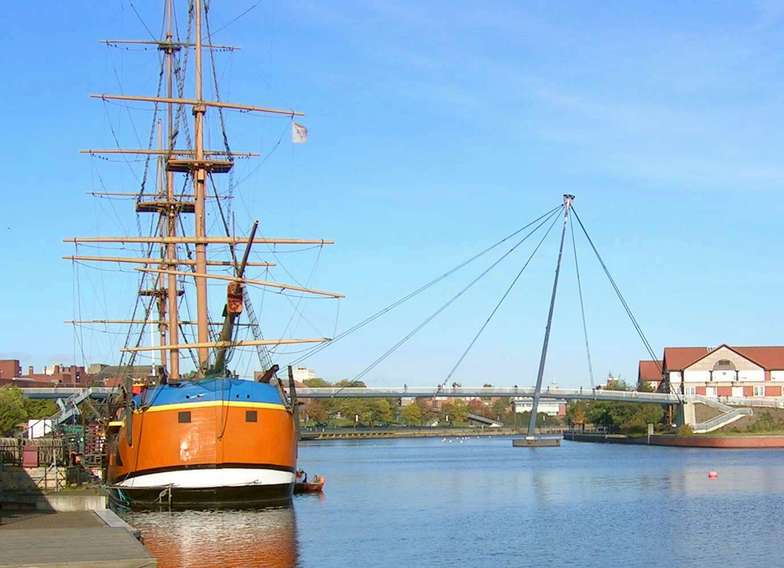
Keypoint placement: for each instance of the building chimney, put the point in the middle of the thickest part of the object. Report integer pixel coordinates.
(30, 370)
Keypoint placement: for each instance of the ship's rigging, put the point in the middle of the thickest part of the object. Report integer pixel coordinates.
(170, 253)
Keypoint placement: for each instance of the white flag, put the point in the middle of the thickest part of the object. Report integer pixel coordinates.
(299, 134)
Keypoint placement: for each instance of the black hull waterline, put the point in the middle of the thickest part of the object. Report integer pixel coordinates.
(239, 497)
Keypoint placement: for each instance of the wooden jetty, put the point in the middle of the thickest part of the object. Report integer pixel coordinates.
(78, 539)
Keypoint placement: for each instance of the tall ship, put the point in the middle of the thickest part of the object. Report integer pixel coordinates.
(193, 433)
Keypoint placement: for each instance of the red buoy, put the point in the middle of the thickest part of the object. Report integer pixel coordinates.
(713, 475)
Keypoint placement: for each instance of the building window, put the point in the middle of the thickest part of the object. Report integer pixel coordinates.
(691, 391)
(184, 417)
(759, 391)
(251, 416)
(724, 365)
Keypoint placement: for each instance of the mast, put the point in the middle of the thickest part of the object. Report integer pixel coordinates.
(161, 299)
(171, 213)
(567, 200)
(199, 179)
(168, 204)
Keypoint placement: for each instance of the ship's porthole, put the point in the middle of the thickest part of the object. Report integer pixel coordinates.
(184, 417)
(251, 416)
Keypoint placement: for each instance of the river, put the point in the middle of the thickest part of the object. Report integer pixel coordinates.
(480, 502)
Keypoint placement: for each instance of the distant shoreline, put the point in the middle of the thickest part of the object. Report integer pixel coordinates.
(733, 441)
(320, 436)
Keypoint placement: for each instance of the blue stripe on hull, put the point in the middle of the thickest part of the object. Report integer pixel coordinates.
(209, 390)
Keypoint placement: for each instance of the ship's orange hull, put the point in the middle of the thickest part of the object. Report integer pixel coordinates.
(213, 451)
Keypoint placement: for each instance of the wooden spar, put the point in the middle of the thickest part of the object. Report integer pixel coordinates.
(199, 190)
(137, 195)
(196, 102)
(230, 315)
(244, 343)
(170, 251)
(168, 44)
(162, 301)
(164, 152)
(268, 283)
(199, 240)
(182, 261)
(138, 322)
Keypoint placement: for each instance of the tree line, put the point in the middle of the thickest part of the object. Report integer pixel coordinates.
(622, 417)
(15, 409)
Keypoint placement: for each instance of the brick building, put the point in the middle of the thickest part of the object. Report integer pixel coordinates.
(10, 368)
(55, 375)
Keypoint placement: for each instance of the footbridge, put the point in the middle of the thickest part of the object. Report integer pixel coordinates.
(559, 393)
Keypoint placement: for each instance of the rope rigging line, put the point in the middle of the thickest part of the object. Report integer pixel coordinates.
(582, 305)
(230, 22)
(144, 24)
(618, 293)
(221, 118)
(498, 304)
(449, 302)
(296, 311)
(410, 295)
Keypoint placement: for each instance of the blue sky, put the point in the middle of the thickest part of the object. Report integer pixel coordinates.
(435, 129)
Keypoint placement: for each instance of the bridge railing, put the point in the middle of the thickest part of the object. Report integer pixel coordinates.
(469, 392)
(560, 393)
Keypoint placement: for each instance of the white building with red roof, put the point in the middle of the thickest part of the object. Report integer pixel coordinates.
(723, 371)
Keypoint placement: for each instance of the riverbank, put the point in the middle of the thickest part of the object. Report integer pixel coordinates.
(320, 435)
(734, 441)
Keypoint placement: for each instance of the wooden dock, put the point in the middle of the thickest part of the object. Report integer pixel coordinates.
(78, 539)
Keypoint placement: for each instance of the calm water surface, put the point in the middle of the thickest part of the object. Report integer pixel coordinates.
(480, 502)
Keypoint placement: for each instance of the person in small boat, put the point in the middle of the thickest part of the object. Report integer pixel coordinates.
(301, 476)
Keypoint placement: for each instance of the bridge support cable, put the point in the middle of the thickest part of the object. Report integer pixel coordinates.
(582, 306)
(625, 305)
(538, 389)
(498, 305)
(424, 287)
(449, 302)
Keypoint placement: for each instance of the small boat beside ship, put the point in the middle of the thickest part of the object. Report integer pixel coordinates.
(315, 486)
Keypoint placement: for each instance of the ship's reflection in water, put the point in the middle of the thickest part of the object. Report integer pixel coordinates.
(249, 537)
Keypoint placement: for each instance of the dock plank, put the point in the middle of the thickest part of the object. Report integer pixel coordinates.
(69, 540)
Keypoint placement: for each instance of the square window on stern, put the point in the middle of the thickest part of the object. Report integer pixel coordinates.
(184, 417)
(251, 416)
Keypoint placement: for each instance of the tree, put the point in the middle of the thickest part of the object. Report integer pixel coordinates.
(316, 382)
(314, 410)
(345, 383)
(428, 414)
(577, 413)
(457, 411)
(477, 406)
(411, 415)
(501, 408)
(626, 417)
(38, 409)
(645, 386)
(381, 411)
(617, 384)
(12, 409)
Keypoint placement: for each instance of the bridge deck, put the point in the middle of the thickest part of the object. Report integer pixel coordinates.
(558, 393)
